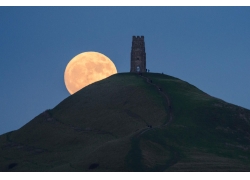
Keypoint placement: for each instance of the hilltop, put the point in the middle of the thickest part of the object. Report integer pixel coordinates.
(129, 122)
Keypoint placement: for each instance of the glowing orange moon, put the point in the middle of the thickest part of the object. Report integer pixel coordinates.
(87, 68)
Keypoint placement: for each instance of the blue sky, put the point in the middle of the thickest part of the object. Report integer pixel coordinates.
(208, 47)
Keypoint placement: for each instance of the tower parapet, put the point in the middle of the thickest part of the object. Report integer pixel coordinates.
(138, 38)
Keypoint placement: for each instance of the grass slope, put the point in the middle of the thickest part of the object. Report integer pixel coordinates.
(104, 127)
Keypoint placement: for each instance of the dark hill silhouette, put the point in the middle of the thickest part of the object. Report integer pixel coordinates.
(131, 122)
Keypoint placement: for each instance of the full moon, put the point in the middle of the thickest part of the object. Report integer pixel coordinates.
(87, 68)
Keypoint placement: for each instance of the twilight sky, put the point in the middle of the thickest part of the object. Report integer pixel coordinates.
(208, 47)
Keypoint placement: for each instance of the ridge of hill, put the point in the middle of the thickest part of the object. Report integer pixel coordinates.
(131, 122)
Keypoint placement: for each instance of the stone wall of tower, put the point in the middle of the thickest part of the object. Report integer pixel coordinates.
(138, 54)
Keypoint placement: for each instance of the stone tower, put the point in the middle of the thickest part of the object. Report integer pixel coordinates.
(138, 55)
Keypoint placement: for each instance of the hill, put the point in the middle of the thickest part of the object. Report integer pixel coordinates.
(129, 122)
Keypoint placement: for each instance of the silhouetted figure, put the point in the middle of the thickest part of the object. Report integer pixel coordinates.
(151, 81)
(150, 126)
(146, 70)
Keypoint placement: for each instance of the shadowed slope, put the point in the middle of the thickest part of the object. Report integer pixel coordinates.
(117, 124)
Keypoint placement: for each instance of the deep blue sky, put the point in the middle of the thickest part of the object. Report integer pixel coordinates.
(208, 47)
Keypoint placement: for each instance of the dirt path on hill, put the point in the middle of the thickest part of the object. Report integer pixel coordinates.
(160, 90)
(175, 155)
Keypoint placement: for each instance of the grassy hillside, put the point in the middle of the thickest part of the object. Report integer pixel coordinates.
(212, 135)
(125, 123)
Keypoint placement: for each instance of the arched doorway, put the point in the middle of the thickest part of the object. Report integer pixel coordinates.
(138, 69)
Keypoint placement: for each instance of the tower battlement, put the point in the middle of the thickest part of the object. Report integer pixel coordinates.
(138, 38)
